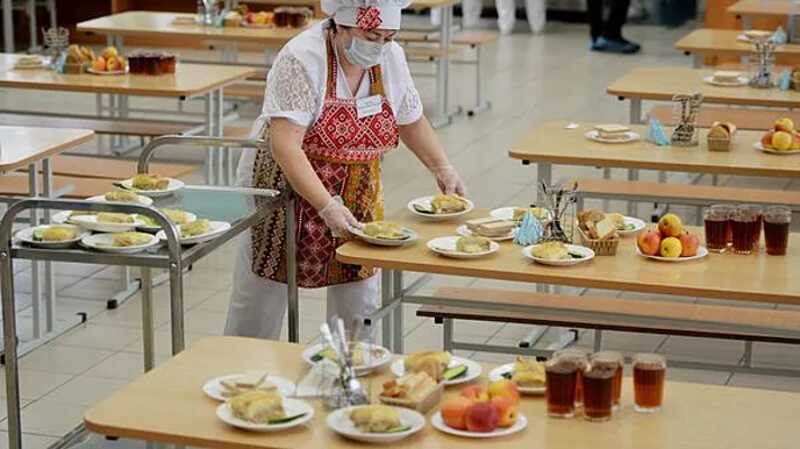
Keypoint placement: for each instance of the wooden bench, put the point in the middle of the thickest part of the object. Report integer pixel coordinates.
(743, 118)
(133, 127)
(100, 167)
(16, 186)
(691, 195)
(251, 91)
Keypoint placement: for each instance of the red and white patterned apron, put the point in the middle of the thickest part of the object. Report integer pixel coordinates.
(345, 152)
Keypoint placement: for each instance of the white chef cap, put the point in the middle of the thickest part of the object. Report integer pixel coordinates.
(366, 14)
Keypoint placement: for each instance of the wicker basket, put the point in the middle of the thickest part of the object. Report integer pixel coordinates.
(717, 144)
(605, 247)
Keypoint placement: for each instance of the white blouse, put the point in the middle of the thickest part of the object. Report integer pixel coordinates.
(297, 80)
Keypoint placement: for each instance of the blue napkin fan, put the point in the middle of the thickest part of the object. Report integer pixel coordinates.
(656, 133)
(530, 231)
(785, 80)
(779, 37)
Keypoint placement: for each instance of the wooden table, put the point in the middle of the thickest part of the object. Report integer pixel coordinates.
(748, 10)
(167, 405)
(661, 83)
(704, 42)
(189, 81)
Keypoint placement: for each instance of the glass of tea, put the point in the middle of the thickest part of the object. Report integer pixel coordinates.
(616, 359)
(598, 389)
(583, 356)
(745, 220)
(777, 220)
(649, 373)
(758, 211)
(717, 220)
(561, 378)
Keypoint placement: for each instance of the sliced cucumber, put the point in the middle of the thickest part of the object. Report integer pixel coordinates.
(398, 429)
(285, 419)
(507, 375)
(317, 357)
(421, 209)
(455, 372)
(37, 235)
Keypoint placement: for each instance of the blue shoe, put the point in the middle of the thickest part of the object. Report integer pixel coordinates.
(602, 44)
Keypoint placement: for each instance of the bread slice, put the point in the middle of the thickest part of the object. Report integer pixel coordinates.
(606, 228)
(612, 131)
(473, 224)
(726, 76)
(495, 229)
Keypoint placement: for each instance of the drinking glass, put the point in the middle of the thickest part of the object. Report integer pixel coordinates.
(616, 359)
(777, 220)
(758, 211)
(598, 390)
(649, 372)
(717, 220)
(561, 375)
(745, 220)
(582, 356)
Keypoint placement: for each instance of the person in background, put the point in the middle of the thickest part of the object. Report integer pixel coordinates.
(607, 34)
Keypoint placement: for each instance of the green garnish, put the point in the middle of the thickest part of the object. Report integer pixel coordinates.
(629, 227)
(507, 375)
(38, 235)
(577, 256)
(285, 419)
(455, 372)
(149, 222)
(421, 209)
(398, 429)
(317, 357)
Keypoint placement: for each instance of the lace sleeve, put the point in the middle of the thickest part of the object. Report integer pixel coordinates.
(290, 92)
(411, 107)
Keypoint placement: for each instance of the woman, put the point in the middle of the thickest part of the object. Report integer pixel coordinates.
(338, 97)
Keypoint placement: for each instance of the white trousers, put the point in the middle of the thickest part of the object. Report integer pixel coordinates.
(258, 305)
(506, 14)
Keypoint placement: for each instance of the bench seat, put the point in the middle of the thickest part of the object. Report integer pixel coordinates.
(137, 127)
(16, 185)
(113, 168)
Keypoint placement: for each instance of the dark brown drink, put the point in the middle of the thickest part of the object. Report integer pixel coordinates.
(617, 360)
(719, 233)
(598, 391)
(561, 374)
(649, 372)
(777, 221)
(745, 220)
(582, 357)
(758, 213)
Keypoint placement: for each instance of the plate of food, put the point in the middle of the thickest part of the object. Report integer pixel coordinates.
(726, 78)
(385, 233)
(558, 253)
(670, 241)
(481, 429)
(440, 365)
(52, 236)
(152, 185)
(264, 411)
(611, 133)
(197, 231)
(702, 252)
(29, 62)
(176, 216)
(225, 387)
(527, 373)
(106, 221)
(367, 357)
(465, 231)
(597, 224)
(120, 242)
(772, 150)
(440, 207)
(459, 247)
(516, 214)
(122, 196)
(418, 391)
(375, 423)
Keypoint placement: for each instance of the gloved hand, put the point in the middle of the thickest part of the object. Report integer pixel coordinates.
(338, 218)
(448, 180)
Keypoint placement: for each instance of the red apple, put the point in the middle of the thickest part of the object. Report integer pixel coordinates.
(454, 412)
(649, 242)
(689, 243)
(506, 409)
(482, 417)
(766, 140)
(477, 393)
(504, 388)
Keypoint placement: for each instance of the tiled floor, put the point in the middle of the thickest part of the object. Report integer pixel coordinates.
(529, 79)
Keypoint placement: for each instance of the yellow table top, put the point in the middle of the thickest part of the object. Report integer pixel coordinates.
(167, 405)
(717, 42)
(551, 142)
(661, 83)
(764, 8)
(19, 146)
(160, 24)
(188, 80)
(756, 278)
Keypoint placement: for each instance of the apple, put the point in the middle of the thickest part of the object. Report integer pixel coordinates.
(506, 409)
(113, 64)
(671, 247)
(649, 242)
(689, 244)
(476, 393)
(99, 64)
(504, 388)
(766, 141)
(454, 412)
(784, 124)
(782, 141)
(482, 417)
(796, 141)
(670, 225)
(110, 52)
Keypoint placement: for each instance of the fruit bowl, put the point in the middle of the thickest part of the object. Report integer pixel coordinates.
(701, 253)
(438, 423)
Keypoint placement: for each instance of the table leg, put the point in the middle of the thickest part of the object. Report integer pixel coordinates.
(32, 28)
(209, 124)
(49, 278)
(176, 303)
(544, 174)
(636, 110)
(10, 347)
(397, 320)
(36, 297)
(790, 27)
(8, 26)
(443, 70)
(697, 61)
(148, 336)
(633, 175)
(386, 299)
(222, 152)
(291, 272)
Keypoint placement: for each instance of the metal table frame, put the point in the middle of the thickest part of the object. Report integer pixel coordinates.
(173, 260)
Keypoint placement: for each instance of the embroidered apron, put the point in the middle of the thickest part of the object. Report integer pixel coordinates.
(345, 152)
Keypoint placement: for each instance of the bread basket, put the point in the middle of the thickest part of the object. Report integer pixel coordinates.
(604, 247)
(719, 144)
(429, 402)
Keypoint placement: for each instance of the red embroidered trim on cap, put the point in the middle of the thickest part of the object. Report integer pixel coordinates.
(368, 18)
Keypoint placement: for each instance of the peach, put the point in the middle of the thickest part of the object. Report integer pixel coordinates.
(689, 244)
(114, 64)
(482, 417)
(671, 247)
(99, 64)
(476, 393)
(454, 412)
(766, 140)
(782, 141)
(670, 225)
(506, 410)
(110, 52)
(504, 388)
(796, 141)
(784, 124)
(649, 242)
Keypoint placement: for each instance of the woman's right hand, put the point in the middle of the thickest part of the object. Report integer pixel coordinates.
(338, 218)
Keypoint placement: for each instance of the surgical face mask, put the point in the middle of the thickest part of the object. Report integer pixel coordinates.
(363, 53)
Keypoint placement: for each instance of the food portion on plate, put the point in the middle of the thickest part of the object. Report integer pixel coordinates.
(122, 196)
(552, 251)
(417, 391)
(783, 138)
(597, 225)
(176, 216)
(361, 354)
(385, 230)
(727, 78)
(51, 236)
(436, 364)
(375, 423)
(442, 204)
(55, 233)
(527, 373)
(198, 227)
(261, 407)
(377, 418)
(540, 213)
(250, 381)
(558, 253)
(463, 247)
(670, 240)
(29, 62)
(473, 244)
(144, 181)
(128, 239)
(491, 227)
(611, 133)
(482, 409)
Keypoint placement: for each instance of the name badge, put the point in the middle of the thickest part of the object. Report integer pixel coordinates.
(368, 106)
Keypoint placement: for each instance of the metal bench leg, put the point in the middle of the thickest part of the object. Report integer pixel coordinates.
(386, 298)
(148, 340)
(480, 104)
(633, 175)
(32, 28)
(397, 318)
(447, 334)
(748, 354)
(598, 339)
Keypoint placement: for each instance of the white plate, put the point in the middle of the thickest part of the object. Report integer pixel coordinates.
(577, 249)
(758, 146)
(412, 237)
(701, 252)
(30, 66)
(438, 423)
(497, 374)
(372, 363)
(507, 213)
(594, 135)
(190, 217)
(90, 222)
(743, 81)
(246, 24)
(290, 406)
(637, 223)
(104, 242)
(26, 235)
(426, 202)
(464, 230)
(143, 200)
(213, 388)
(61, 217)
(174, 185)
(216, 228)
(473, 370)
(339, 421)
(107, 72)
(446, 246)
